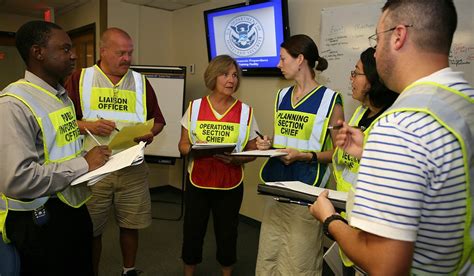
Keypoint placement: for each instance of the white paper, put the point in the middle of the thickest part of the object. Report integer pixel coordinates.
(307, 189)
(261, 153)
(333, 259)
(131, 156)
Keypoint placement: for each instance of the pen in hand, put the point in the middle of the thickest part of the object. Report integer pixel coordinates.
(259, 134)
(93, 137)
(101, 118)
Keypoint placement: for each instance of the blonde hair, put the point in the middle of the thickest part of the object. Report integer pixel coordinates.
(219, 66)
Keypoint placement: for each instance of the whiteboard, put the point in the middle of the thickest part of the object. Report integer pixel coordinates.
(344, 35)
(169, 84)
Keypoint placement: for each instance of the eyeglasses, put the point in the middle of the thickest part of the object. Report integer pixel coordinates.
(373, 39)
(355, 74)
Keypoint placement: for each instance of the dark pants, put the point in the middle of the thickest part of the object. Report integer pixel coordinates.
(60, 247)
(225, 206)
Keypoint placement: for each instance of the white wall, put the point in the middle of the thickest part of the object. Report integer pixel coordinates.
(150, 29)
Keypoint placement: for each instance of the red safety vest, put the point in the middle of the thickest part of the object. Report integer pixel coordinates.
(233, 127)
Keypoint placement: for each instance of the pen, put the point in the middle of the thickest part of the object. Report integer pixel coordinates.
(93, 137)
(259, 134)
(287, 200)
(101, 118)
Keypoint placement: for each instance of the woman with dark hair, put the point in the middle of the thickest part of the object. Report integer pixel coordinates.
(290, 240)
(215, 182)
(375, 98)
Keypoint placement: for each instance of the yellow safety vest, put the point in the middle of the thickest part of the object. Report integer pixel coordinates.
(345, 166)
(345, 169)
(123, 103)
(431, 98)
(61, 142)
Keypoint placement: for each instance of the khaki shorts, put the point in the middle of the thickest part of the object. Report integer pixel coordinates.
(126, 190)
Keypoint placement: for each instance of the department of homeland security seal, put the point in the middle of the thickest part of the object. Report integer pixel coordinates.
(244, 35)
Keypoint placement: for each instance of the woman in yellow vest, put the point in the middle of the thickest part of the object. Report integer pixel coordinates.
(215, 181)
(290, 241)
(375, 98)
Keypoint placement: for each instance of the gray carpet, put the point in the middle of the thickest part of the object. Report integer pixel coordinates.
(160, 244)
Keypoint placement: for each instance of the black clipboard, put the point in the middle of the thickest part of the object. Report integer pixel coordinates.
(204, 150)
(297, 195)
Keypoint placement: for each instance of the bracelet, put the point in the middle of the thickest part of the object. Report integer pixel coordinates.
(328, 220)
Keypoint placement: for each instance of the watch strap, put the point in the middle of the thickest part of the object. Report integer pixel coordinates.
(330, 219)
(314, 157)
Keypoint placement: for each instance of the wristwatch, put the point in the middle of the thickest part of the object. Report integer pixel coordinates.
(328, 221)
(314, 157)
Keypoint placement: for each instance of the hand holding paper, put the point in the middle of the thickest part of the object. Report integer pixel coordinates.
(301, 191)
(97, 157)
(128, 157)
(322, 207)
(127, 135)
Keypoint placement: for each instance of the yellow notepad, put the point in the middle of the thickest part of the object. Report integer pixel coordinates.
(125, 138)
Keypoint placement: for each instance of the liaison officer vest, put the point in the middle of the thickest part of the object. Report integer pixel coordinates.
(302, 126)
(433, 98)
(233, 127)
(346, 166)
(124, 102)
(57, 121)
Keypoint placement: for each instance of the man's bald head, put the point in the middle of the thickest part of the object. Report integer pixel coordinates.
(112, 34)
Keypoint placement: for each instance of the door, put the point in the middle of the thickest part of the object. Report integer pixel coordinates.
(83, 42)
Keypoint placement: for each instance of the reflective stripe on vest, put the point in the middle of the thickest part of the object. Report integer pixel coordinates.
(314, 110)
(53, 116)
(243, 125)
(60, 133)
(293, 137)
(17, 205)
(455, 111)
(125, 101)
(346, 166)
(233, 127)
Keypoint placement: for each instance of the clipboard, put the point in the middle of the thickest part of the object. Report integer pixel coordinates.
(208, 149)
(260, 153)
(129, 157)
(297, 190)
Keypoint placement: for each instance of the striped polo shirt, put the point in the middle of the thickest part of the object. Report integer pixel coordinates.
(411, 184)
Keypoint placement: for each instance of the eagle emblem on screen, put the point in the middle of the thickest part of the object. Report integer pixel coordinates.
(244, 35)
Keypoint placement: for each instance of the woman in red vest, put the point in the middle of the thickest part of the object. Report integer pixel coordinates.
(215, 181)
